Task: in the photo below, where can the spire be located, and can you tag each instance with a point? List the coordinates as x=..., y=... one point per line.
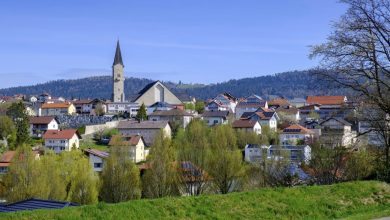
x=118, y=55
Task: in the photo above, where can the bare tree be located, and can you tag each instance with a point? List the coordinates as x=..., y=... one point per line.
x=357, y=54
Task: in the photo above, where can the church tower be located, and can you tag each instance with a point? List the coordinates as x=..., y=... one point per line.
x=118, y=76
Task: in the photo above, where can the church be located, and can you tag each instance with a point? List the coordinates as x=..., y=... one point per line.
x=149, y=95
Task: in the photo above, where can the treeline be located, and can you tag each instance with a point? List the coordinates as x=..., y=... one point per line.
x=288, y=84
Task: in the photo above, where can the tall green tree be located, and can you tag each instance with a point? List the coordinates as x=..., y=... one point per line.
x=17, y=112
x=142, y=114
x=120, y=177
x=199, y=106
x=82, y=184
x=225, y=164
x=193, y=147
x=161, y=179
x=22, y=179
x=7, y=131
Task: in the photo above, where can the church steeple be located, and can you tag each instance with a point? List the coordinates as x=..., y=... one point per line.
x=118, y=55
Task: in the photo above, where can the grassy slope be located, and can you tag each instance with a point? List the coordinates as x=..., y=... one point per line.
x=358, y=200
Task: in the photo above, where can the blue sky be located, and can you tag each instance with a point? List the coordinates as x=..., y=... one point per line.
x=203, y=41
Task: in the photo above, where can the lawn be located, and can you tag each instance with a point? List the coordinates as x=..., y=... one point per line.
x=353, y=200
x=90, y=143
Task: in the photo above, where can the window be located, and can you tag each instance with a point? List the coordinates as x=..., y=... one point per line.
x=97, y=165
x=63, y=141
x=62, y=148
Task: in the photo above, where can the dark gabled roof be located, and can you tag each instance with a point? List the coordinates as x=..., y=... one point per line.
x=184, y=97
x=118, y=55
x=246, y=115
x=243, y=123
x=98, y=153
x=342, y=121
x=223, y=114
x=172, y=112
x=131, y=140
x=142, y=124
x=32, y=204
x=161, y=105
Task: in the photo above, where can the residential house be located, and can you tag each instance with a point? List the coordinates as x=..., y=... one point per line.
x=289, y=113
x=266, y=117
x=88, y=106
x=278, y=102
x=215, y=117
x=7, y=158
x=134, y=146
x=247, y=126
x=296, y=135
x=332, y=106
x=250, y=104
x=156, y=92
x=174, y=116
x=295, y=154
x=305, y=111
x=40, y=124
x=215, y=105
x=61, y=140
x=147, y=129
x=297, y=102
x=52, y=109
x=313, y=125
x=96, y=158
x=44, y=97
x=337, y=132
x=159, y=106
x=114, y=108
x=224, y=102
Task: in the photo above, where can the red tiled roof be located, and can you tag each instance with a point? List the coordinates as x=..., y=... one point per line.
x=64, y=134
x=7, y=156
x=55, y=105
x=297, y=129
x=41, y=120
x=326, y=100
x=243, y=124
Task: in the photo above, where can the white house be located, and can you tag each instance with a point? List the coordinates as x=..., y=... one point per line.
x=114, y=108
x=294, y=134
x=215, y=117
x=295, y=154
x=147, y=129
x=174, y=116
x=223, y=102
x=61, y=140
x=337, y=132
x=96, y=158
x=52, y=109
x=266, y=117
x=250, y=104
x=133, y=145
x=215, y=105
x=247, y=126
x=40, y=124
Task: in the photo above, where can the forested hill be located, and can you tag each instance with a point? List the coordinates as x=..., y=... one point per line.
x=288, y=84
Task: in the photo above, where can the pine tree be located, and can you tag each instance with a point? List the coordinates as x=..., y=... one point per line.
x=141, y=114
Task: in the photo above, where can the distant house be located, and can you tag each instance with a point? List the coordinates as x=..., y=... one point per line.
x=278, y=102
x=305, y=111
x=7, y=158
x=327, y=100
x=337, y=132
x=33, y=204
x=53, y=109
x=250, y=104
x=135, y=145
x=215, y=117
x=296, y=134
x=331, y=106
x=96, y=158
x=297, y=102
x=290, y=113
x=215, y=105
x=147, y=129
x=247, y=126
x=61, y=140
x=174, y=116
x=295, y=154
x=40, y=124
x=114, y=108
x=87, y=106
x=156, y=92
x=222, y=102
x=159, y=106
x=266, y=117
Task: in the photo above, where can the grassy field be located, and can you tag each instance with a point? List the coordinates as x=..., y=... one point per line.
x=354, y=200
x=90, y=143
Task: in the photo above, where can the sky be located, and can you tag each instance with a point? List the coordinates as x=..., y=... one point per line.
x=193, y=41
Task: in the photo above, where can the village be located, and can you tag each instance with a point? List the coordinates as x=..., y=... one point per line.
x=94, y=125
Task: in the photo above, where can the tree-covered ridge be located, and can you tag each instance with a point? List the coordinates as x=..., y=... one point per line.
x=288, y=84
